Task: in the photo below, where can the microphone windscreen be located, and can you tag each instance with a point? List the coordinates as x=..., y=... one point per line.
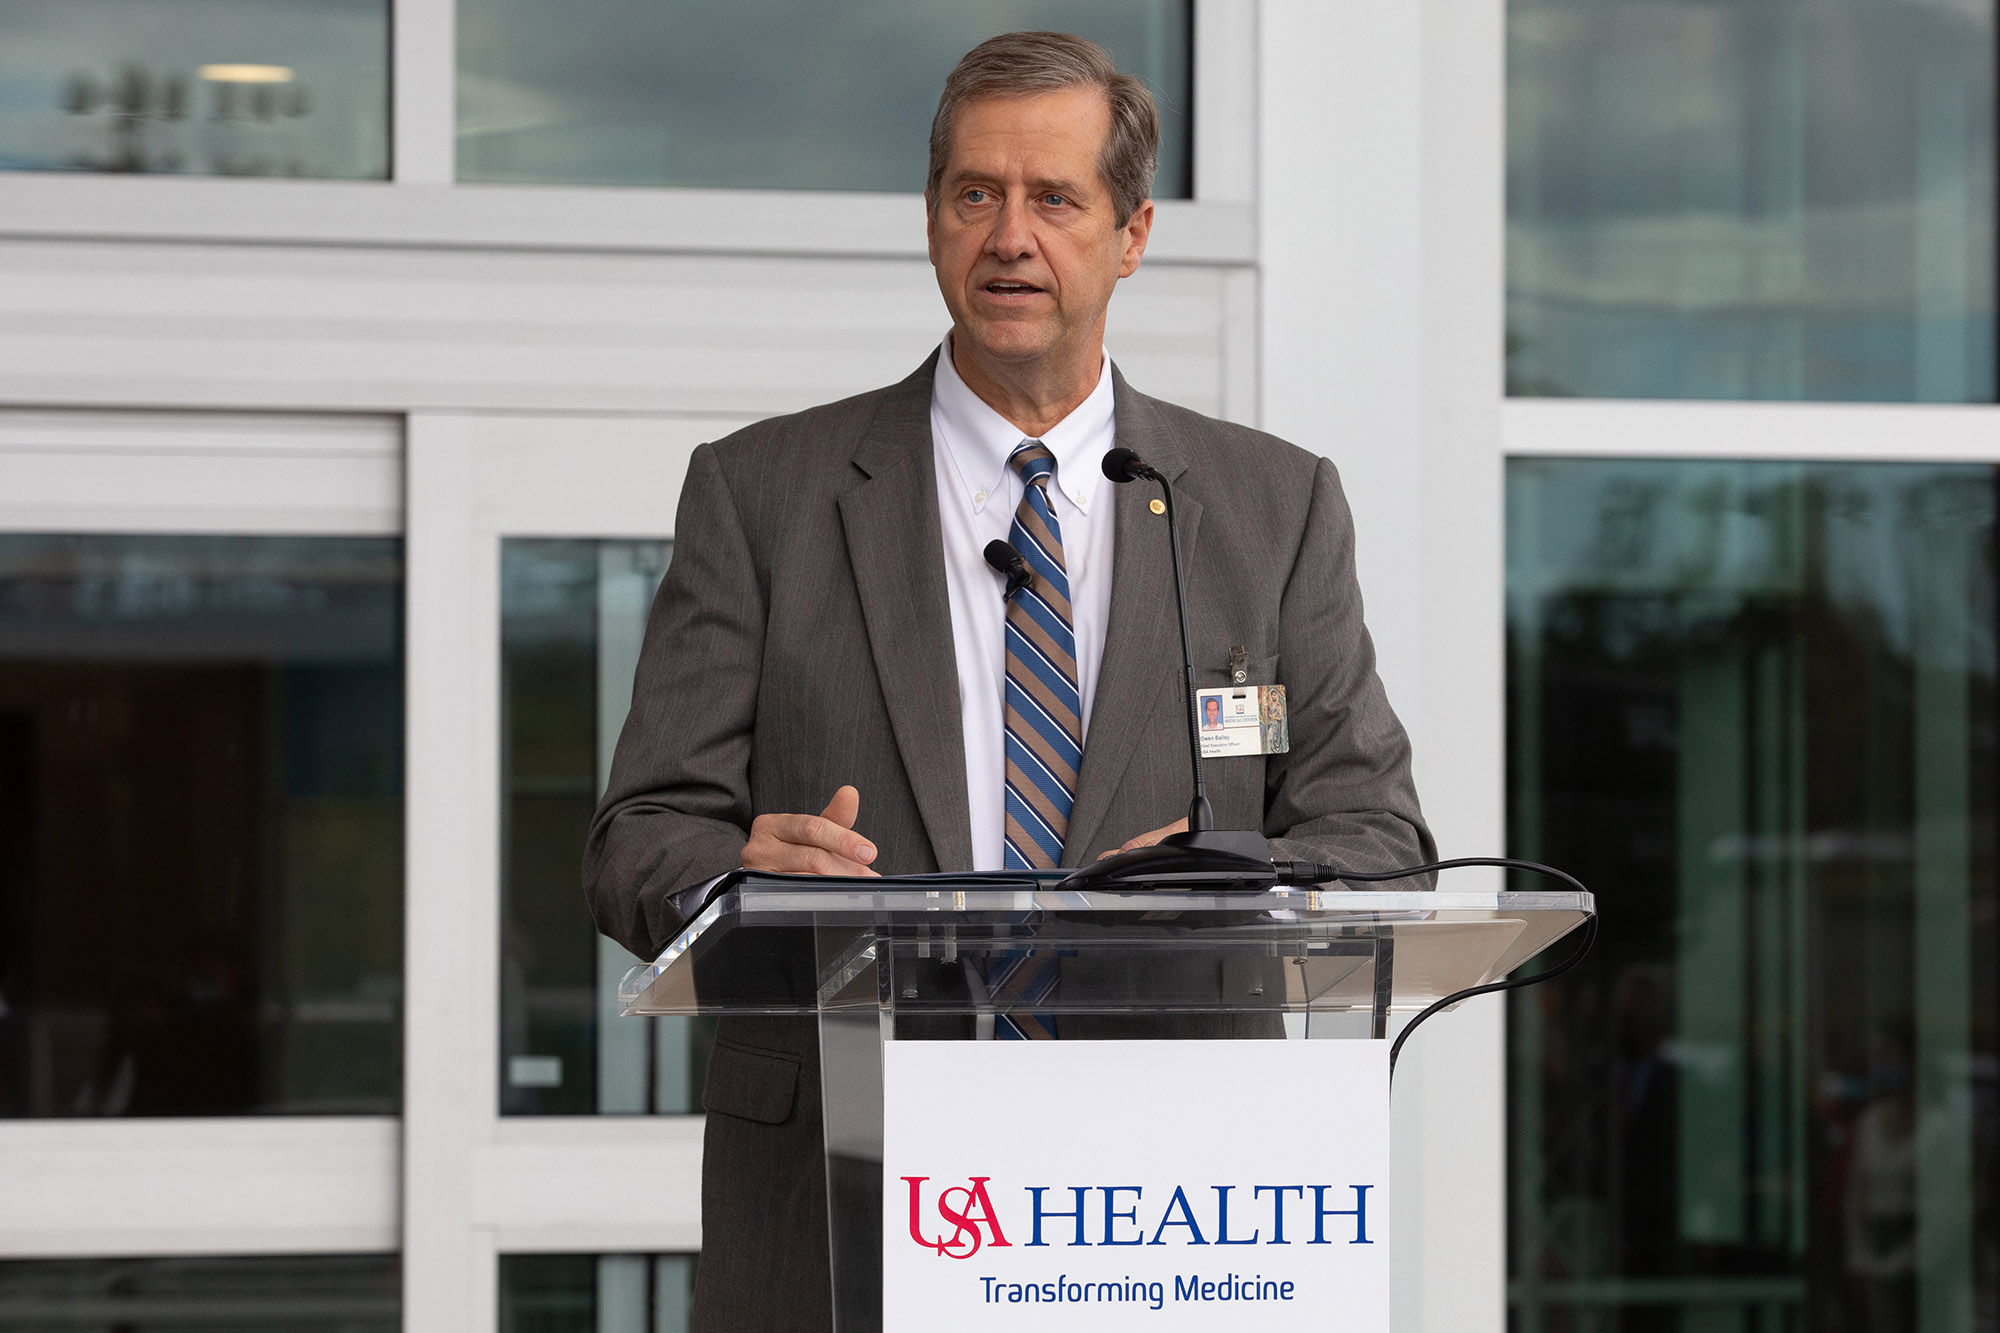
x=1122, y=464
x=1001, y=556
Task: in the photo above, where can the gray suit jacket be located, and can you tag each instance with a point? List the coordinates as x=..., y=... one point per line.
x=802, y=639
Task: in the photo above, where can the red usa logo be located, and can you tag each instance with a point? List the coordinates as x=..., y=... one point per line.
x=966, y=1209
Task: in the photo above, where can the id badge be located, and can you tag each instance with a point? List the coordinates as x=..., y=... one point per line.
x=1242, y=719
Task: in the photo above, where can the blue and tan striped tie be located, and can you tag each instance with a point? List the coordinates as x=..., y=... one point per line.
x=1044, y=716
x=1044, y=733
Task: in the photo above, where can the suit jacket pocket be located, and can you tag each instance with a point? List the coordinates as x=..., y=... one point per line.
x=751, y=1084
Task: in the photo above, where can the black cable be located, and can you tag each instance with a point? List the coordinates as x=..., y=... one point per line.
x=1511, y=983
x=1309, y=872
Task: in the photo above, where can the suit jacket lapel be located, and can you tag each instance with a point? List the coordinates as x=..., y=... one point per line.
x=1140, y=671
x=896, y=548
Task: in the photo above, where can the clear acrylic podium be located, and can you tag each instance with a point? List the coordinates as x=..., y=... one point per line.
x=880, y=960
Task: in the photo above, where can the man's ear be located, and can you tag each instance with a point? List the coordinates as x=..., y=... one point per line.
x=1138, y=229
x=930, y=225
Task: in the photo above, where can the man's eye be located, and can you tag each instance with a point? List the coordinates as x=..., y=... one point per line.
x=975, y=196
x=1054, y=200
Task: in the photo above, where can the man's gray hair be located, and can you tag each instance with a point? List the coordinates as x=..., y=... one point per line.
x=1021, y=64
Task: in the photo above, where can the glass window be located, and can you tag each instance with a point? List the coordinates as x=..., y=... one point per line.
x=201, y=832
x=1779, y=200
x=325, y=1293
x=596, y=1293
x=1753, y=706
x=573, y=615
x=818, y=96
x=200, y=87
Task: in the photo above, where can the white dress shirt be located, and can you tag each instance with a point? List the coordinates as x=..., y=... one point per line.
x=977, y=496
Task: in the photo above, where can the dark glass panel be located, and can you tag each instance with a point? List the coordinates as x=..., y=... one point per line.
x=1782, y=199
x=1752, y=705
x=766, y=92
x=596, y=1293
x=201, y=779
x=197, y=87
x=329, y=1293
x=573, y=615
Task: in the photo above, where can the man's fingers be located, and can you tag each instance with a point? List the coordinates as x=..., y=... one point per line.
x=1148, y=839
x=844, y=808
x=776, y=856
x=822, y=844
x=816, y=831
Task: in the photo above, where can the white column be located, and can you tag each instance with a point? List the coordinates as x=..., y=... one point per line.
x=1339, y=220
x=1458, y=1072
x=449, y=1060
x=1380, y=222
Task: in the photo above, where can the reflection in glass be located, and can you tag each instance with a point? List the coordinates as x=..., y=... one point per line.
x=201, y=87
x=1778, y=200
x=596, y=1293
x=201, y=825
x=1753, y=706
x=324, y=1293
x=573, y=615
x=803, y=96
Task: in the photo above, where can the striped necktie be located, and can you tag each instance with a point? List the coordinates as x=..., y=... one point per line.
x=1043, y=714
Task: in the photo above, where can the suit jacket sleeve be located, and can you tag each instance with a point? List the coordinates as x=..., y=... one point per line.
x=676, y=810
x=1343, y=795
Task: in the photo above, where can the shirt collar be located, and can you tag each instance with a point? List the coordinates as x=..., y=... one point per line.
x=980, y=440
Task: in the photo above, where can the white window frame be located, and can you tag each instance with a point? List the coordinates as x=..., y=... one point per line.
x=1694, y=431
x=423, y=205
x=228, y=1186
x=1822, y=432
x=478, y=1184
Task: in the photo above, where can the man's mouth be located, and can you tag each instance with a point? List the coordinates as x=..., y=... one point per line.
x=1003, y=287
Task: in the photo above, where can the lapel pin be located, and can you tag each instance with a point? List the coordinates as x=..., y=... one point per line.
x=1158, y=505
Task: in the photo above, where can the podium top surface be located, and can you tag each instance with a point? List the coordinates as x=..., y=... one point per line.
x=784, y=944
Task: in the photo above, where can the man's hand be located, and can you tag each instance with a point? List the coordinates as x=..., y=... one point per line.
x=1148, y=839
x=821, y=844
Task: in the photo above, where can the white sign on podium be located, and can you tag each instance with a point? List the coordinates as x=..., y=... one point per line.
x=1108, y=1185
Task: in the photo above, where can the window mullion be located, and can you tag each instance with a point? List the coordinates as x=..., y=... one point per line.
x=423, y=129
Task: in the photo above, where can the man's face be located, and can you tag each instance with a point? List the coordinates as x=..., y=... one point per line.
x=1024, y=232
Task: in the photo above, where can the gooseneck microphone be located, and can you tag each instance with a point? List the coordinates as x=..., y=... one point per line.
x=1204, y=856
x=1006, y=560
x=1122, y=465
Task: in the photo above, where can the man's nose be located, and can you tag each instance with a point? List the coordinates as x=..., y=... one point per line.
x=1013, y=235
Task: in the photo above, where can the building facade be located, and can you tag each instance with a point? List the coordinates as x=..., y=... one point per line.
x=351, y=354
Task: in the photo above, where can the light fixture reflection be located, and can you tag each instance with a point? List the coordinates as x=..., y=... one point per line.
x=246, y=73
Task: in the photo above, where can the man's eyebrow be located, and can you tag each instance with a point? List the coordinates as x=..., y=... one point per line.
x=962, y=175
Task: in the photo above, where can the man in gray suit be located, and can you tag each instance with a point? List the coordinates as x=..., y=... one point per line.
x=828, y=639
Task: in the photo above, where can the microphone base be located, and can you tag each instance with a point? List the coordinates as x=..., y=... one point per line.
x=1211, y=859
